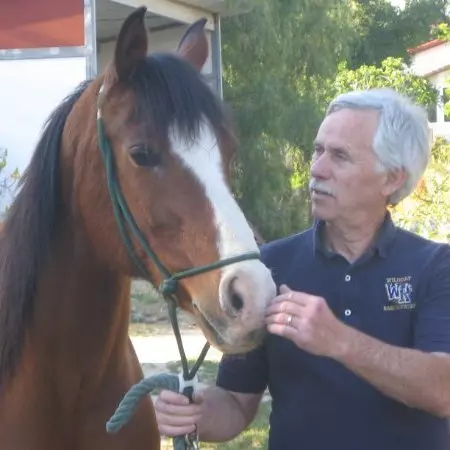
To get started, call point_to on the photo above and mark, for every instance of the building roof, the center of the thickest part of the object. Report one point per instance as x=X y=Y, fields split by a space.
x=221 y=6
x=425 y=46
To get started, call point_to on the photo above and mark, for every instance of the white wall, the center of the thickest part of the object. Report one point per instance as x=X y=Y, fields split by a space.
x=431 y=60
x=29 y=91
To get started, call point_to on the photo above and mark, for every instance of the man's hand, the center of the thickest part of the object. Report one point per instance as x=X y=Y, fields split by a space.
x=217 y=415
x=175 y=415
x=415 y=378
x=307 y=321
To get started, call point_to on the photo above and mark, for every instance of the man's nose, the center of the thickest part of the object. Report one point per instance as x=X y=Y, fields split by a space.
x=320 y=167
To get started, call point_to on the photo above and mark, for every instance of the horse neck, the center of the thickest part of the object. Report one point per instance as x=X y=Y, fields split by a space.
x=82 y=307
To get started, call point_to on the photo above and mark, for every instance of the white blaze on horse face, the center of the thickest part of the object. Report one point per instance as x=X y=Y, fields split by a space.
x=252 y=279
x=202 y=157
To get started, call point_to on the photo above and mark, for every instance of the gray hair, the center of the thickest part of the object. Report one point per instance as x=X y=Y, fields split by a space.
x=402 y=139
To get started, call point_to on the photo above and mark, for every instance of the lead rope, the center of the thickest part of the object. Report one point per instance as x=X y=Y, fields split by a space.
x=184 y=383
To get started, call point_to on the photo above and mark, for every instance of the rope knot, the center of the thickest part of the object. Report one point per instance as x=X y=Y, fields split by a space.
x=168 y=286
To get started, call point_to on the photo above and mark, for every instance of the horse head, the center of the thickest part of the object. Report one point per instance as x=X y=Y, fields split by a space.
x=168 y=146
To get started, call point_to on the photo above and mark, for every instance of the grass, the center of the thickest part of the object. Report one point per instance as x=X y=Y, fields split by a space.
x=206 y=373
x=255 y=437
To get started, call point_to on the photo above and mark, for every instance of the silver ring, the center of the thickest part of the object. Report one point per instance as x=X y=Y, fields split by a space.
x=289 y=320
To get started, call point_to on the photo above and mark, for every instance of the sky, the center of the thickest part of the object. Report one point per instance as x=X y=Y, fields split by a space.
x=29 y=91
x=399 y=3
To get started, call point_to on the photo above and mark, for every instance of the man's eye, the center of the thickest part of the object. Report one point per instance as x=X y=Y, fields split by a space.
x=340 y=154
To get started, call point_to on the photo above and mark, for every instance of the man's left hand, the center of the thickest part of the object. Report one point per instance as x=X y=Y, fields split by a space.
x=307 y=321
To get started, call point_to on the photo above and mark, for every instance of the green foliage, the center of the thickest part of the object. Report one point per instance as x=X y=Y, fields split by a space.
x=392 y=73
x=376 y=23
x=418 y=19
x=276 y=62
x=7 y=182
x=441 y=31
x=255 y=437
x=426 y=210
x=388 y=31
x=447 y=102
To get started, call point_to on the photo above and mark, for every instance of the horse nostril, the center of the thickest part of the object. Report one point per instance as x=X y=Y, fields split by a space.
x=236 y=301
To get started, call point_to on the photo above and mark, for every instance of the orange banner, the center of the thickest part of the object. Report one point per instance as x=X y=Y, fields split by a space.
x=41 y=23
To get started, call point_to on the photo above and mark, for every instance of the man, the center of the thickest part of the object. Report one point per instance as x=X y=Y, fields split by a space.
x=356 y=357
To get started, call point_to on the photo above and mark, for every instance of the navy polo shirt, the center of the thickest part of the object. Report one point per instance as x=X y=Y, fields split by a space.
x=399 y=292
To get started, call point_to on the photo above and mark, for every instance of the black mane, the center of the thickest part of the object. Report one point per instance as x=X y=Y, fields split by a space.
x=27 y=233
x=170 y=91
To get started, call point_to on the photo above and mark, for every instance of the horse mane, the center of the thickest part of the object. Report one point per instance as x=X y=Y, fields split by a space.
x=27 y=233
x=169 y=91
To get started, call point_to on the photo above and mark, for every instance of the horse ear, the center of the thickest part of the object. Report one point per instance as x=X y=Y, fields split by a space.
x=131 y=45
x=193 y=46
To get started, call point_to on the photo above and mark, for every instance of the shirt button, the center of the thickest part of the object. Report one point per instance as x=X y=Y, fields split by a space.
x=348 y=312
x=348 y=277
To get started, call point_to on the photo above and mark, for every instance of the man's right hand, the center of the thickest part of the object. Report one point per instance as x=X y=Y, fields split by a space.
x=218 y=415
x=175 y=415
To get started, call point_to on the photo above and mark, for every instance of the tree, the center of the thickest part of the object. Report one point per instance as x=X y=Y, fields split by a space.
x=425 y=211
x=277 y=61
x=441 y=31
x=418 y=19
x=376 y=22
x=388 y=31
x=391 y=73
x=7 y=182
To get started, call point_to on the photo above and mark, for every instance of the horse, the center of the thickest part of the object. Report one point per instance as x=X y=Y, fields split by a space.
x=146 y=145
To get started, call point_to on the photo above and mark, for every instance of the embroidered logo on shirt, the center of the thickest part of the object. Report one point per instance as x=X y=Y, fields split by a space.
x=399 y=293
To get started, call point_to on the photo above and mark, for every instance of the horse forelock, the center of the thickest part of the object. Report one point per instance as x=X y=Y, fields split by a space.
x=170 y=93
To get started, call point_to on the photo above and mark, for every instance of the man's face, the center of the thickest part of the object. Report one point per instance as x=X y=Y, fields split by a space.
x=343 y=171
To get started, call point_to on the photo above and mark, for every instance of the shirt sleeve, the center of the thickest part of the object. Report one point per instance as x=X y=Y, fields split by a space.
x=432 y=326
x=245 y=373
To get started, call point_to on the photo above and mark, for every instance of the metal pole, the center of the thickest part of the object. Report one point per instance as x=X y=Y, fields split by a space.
x=216 y=45
x=90 y=38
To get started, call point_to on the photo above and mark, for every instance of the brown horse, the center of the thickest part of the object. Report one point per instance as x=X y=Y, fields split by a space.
x=66 y=359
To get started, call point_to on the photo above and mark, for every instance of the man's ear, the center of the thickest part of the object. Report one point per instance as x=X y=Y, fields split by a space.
x=395 y=179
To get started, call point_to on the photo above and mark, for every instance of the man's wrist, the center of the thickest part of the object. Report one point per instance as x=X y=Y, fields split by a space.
x=342 y=348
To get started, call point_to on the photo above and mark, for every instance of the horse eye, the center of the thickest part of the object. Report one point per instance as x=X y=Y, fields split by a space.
x=144 y=156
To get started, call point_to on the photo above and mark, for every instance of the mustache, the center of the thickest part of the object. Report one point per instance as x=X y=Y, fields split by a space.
x=321 y=187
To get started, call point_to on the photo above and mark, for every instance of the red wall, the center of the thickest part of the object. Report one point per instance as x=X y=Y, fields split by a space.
x=41 y=23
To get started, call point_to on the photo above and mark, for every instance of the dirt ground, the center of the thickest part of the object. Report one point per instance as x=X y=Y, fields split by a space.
x=152 y=334
x=149 y=312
